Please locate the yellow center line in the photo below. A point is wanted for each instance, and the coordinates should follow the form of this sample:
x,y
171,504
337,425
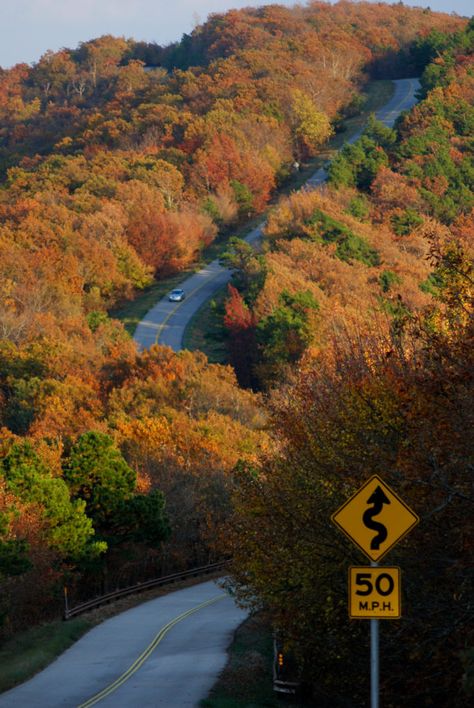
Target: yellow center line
x,y
146,653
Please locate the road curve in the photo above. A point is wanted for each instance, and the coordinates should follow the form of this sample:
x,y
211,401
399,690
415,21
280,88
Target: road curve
x,y
166,321
166,652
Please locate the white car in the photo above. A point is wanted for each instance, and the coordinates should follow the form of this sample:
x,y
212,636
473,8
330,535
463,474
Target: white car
x,y
176,295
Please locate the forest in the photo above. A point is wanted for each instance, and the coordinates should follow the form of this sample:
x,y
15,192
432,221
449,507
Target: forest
x,y
349,332
361,302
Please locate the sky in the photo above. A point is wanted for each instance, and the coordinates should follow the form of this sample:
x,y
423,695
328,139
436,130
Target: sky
x,y
30,27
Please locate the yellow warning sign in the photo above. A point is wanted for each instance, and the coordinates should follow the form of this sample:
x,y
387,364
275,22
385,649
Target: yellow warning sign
x,y
374,593
375,518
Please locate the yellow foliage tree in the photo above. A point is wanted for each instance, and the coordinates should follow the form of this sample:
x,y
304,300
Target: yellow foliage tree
x,y
311,127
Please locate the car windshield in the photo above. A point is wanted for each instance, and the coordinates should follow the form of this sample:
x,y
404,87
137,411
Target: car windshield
x,y
177,292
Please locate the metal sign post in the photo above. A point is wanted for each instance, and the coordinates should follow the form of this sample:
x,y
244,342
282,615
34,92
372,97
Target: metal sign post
x,y
374,658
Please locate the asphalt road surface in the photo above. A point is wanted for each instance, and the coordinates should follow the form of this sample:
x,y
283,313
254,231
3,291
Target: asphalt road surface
x,y
166,652
166,321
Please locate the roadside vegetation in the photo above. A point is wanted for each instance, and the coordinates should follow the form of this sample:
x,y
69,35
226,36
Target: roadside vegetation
x,y
27,653
247,678
205,332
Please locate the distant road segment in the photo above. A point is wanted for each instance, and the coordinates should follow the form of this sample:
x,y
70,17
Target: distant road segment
x,y
166,321
167,652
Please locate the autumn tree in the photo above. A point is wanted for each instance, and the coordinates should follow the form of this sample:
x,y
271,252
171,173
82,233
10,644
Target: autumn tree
x,y
240,324
284,335
311,127
102,56
131,77
54,73
248,268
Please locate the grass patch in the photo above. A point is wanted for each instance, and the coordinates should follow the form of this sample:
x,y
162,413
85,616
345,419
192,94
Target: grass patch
x,y
205,331
377,94
24,655
247,680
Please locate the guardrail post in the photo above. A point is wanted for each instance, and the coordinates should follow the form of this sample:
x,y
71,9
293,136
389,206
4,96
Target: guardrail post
x,y
66,604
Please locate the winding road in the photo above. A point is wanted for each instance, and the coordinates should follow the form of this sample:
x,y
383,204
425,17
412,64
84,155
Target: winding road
x,y
166,322
166,652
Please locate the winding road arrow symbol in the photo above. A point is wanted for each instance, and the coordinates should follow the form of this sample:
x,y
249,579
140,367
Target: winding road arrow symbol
x,y
378,498
375,518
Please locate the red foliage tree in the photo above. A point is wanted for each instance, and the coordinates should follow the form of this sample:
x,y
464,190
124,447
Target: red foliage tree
x,y
240,322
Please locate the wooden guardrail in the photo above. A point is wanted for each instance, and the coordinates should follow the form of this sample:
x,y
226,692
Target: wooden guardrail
x,y
139,587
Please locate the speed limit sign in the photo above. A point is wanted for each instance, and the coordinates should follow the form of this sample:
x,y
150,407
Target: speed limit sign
x,y
374,592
